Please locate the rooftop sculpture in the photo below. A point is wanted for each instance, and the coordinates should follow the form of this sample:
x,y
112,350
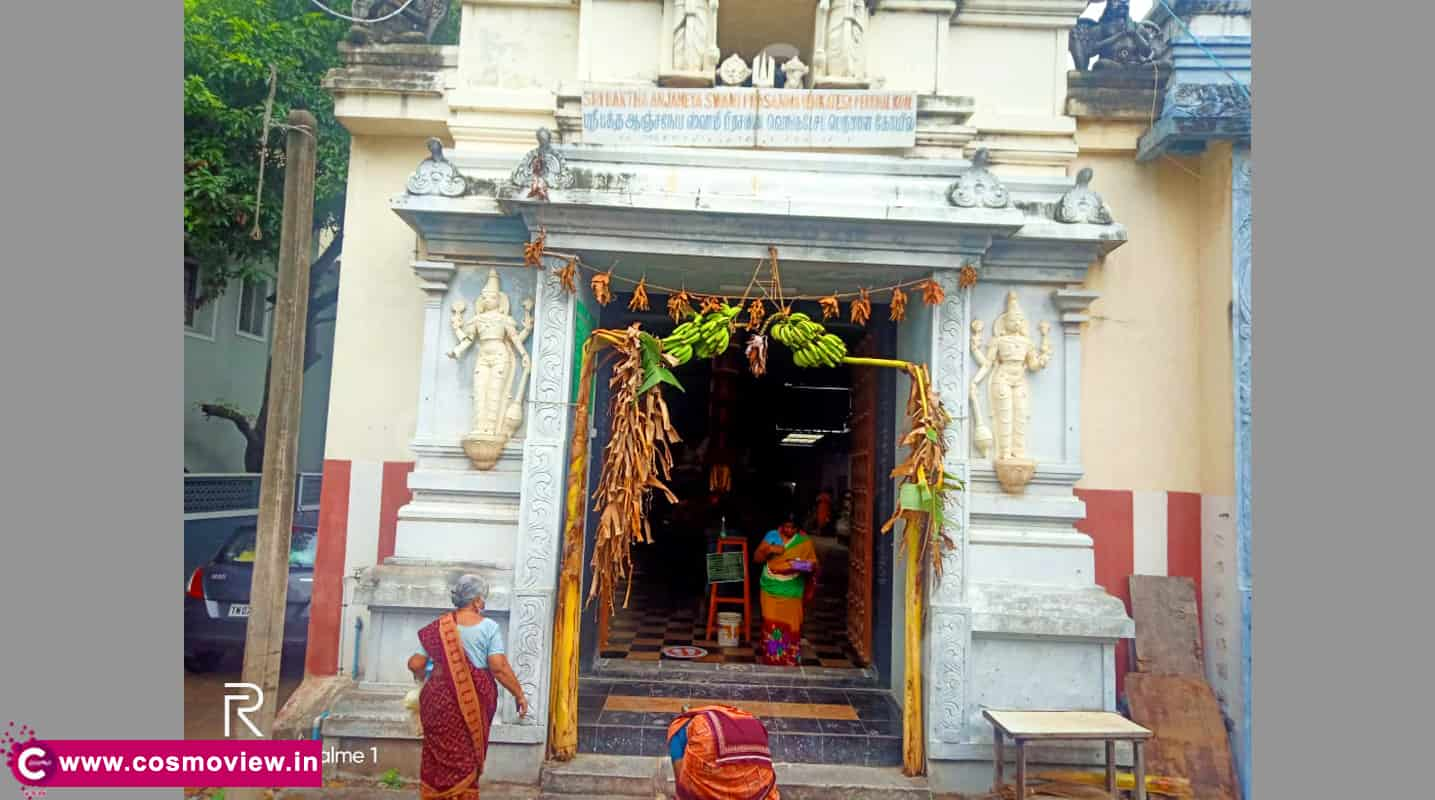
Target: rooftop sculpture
x,y
1115,39
397,22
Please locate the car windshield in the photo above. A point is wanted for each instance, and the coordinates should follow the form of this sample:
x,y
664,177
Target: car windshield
x,y
241,546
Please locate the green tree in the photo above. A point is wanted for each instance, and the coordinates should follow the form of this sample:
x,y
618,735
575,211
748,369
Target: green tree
x,y
230,47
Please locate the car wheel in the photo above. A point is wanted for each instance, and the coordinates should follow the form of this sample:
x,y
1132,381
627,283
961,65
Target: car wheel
x,y
201,662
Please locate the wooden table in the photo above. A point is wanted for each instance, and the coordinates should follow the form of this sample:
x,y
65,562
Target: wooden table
x,y
1042,726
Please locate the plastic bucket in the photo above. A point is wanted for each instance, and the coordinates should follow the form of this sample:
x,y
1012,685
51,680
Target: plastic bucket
x,y
729,625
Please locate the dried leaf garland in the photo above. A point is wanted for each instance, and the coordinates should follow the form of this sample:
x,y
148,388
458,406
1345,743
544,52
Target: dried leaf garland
x,y
568,276
680,305
603,288
533,251
967,278
636,462
830,307
899,305
640,296
932,292
756,312
712,303
924,472
861,309
757,355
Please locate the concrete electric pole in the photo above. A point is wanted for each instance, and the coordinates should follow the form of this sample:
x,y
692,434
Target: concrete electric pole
x,y
264,637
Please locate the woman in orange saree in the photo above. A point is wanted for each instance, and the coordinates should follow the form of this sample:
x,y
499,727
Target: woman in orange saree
x,y
460,696
789,581
721,753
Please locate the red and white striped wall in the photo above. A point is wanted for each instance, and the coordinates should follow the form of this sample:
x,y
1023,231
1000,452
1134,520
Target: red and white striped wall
x,y
1134,533
1141,533
358,519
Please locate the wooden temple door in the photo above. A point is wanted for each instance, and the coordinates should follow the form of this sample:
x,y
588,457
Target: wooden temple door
x,y
862,463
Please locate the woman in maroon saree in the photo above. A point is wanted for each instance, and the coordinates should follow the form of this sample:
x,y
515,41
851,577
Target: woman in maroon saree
x,y
460,696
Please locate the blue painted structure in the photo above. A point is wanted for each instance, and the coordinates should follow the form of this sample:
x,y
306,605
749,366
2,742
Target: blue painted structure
x,y
1208,98
1241,350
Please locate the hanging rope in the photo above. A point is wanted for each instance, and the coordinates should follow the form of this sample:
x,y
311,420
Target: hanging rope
x,y
256,234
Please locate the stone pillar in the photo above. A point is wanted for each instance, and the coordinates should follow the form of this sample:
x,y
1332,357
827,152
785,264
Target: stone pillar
x,y
949,628
541,502
1241,330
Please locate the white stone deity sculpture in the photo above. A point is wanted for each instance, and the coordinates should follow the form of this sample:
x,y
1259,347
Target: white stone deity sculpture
x,y
840,54
695,50
498,345
1006,361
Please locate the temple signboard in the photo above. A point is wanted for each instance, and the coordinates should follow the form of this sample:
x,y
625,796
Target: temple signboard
x,y
745,117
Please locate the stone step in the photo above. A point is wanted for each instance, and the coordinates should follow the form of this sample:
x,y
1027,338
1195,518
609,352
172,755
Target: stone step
x,y
601,776
590,776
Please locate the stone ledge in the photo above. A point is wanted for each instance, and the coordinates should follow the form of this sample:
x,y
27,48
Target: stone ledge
x,y
376,712
1125,93
1021,610
426,585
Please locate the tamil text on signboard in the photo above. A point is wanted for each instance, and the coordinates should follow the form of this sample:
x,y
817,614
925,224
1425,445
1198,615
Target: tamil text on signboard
x,y
736,117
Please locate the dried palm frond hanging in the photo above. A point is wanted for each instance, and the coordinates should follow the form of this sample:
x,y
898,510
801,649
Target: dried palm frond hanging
x,y
533,251
568,276
861,309
636,462
967,278
680,305
932,292
830,307
899,305
924,480
603,287
640,297
756,312
712,303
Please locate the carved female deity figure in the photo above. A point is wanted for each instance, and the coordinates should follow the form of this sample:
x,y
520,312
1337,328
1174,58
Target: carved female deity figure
x,y
499,349
695,36
1006,361
840,55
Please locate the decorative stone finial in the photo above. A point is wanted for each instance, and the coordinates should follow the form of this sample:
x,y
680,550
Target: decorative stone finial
x,y
542,168
977,187
764,71
1115,40
1081,205
397,21
436,175
793,72
734,71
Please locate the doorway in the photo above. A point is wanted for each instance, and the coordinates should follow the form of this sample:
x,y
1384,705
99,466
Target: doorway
x,y
813,442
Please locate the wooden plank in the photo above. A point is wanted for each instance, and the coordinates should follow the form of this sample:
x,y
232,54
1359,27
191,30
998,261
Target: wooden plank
x,y
1168,626
1190,739
1065,725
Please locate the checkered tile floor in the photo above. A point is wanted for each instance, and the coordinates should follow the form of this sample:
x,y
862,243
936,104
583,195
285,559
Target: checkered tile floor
x,y
640,631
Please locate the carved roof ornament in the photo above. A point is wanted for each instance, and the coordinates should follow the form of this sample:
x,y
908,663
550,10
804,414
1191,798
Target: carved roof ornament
x,y
436,175
397,22
734,71
543,168
1080,205
1115,40
977,187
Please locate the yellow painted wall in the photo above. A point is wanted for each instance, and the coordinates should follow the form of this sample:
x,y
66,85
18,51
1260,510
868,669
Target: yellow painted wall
x,y
378,336
1218,450
1156,356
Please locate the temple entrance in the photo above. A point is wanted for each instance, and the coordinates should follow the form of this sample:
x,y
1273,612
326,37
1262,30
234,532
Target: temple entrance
x,y
754,449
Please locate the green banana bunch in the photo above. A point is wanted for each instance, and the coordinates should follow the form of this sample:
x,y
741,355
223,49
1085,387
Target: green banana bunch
x,y
705,335
811,344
